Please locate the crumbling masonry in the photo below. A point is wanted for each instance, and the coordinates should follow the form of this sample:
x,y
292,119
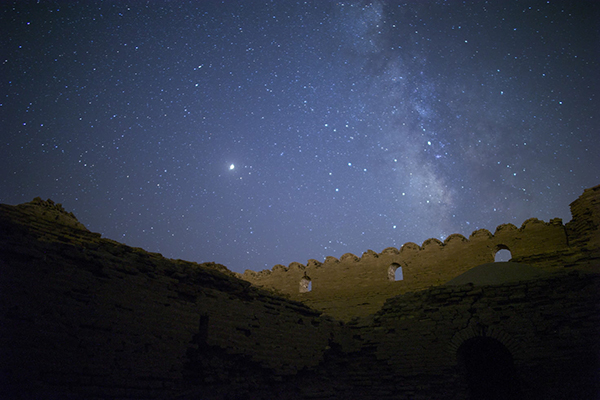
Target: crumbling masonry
x,y
87,317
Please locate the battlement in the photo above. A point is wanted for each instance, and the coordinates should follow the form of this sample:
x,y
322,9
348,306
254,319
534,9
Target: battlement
x,y
352,285
129,324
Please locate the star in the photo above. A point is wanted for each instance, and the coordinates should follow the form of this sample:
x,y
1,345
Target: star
x,y
348,119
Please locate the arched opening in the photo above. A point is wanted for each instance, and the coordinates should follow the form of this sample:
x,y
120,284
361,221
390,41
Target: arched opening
x,y
395,272
305,284
489,370
503,254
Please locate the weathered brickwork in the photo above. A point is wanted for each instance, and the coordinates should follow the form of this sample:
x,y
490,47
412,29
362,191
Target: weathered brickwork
x,y
353,286
86,317
91,316
547,325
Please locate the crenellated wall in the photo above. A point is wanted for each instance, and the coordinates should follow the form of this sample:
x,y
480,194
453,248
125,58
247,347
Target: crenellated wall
x,y
93,318
86,317
354,286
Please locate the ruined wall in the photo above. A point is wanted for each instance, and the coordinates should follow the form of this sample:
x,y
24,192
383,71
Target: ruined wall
x,y
86,317
353,286
584,228
365,283
92,318
550,327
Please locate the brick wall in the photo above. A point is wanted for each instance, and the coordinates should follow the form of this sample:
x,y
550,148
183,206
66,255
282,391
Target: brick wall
x,y
93,318
86,317
364,283
551,328
356,286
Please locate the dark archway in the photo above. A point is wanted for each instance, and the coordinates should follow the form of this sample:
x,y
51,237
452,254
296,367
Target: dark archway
x,y
489,370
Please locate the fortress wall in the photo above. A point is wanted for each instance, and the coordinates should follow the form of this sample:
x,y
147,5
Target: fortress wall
x,y
86,317
276,333
365,282
549,326
97,319
584,228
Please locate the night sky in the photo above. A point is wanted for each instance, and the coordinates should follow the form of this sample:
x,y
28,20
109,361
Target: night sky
x,y
255,133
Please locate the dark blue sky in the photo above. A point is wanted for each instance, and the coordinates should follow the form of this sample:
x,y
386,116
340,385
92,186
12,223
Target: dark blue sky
x,y
253,133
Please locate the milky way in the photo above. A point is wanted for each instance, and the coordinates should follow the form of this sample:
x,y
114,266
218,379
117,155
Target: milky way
x,y
260,133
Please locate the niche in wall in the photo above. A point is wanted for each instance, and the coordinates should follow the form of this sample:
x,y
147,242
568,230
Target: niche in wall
x,y
395,272
305,284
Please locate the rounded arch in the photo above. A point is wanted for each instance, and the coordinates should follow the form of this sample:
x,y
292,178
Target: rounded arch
x,y
488,368
502,253
305,284
478,329
395,272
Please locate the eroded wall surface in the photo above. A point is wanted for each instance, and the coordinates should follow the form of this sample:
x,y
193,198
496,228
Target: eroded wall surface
x,y
92,318
551,327
86,317
357,286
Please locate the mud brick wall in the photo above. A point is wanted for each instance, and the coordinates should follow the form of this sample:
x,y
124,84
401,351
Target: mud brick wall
x,y
584,227
86,317
551,328
353,286
97,319
357,286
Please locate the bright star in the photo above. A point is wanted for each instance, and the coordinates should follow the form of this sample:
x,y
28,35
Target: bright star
x,y
231,167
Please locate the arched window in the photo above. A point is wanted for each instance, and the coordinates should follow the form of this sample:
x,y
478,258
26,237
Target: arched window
x,y
305,284
395,272
489,369
503,254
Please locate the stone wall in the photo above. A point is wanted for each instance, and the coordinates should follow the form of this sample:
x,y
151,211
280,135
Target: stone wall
x,y
357,286
86,317
93,318
584,227
550,327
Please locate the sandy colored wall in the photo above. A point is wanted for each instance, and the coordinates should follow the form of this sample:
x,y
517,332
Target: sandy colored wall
x,y
550,327
363,284
357,286
85,317
98,319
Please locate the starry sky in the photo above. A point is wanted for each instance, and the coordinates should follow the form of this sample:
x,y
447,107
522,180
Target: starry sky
x,y
254,133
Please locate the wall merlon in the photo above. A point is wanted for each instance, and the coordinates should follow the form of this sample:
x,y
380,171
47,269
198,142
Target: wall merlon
x,y
280,268
531,222
505,227
330,260
296,266
312,263
431,243
455,238
481,234
409,247
390,251
369,254
349,257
